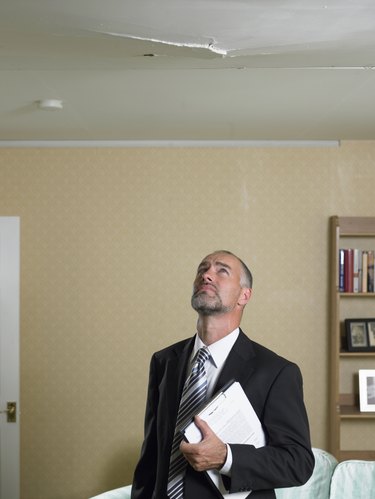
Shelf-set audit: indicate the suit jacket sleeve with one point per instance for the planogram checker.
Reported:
(145, 472)
(287, 459)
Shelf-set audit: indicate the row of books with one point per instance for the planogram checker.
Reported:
(356, 270)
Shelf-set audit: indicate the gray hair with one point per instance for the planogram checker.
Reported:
(246, 276)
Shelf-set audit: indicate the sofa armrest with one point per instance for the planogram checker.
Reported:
(120, 493)
(318, 485)
(353, 479)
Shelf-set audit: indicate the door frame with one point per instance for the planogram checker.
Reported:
(9, 355)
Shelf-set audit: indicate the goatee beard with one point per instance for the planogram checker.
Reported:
(206, 305)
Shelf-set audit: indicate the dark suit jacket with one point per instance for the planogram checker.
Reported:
(274, 388)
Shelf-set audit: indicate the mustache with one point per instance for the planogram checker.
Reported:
(197, 287)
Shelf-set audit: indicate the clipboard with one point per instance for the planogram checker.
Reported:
(231, 416)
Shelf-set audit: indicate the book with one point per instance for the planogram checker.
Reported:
(370, 271)
(341, 283)
(356, 256)
(348, 270)
(364, 272)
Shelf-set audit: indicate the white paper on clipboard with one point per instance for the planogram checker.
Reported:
(232, 417)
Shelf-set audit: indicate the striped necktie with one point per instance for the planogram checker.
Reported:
(193, 394)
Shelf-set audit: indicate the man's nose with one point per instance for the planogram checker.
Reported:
(207, 276)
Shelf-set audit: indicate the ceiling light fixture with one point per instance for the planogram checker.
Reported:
(50, 104)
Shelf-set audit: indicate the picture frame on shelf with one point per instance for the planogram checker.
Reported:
(371, 333)
(367, 390)
(357, 335)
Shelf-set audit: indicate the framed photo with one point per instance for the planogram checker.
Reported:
(357, 335)
(367, 390)
(371, 333)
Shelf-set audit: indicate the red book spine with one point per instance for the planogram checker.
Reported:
(348, 271)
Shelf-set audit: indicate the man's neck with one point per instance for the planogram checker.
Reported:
(212, 328)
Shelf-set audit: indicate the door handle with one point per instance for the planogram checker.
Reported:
(11, 412)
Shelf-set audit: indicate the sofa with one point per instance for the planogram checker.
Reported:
(352, 479)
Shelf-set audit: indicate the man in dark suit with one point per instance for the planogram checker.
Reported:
(216, 469)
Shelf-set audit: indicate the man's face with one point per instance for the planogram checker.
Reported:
(217, 287)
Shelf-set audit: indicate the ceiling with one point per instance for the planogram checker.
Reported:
(198, 70)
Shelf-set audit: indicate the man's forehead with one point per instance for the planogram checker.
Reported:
(220, 257)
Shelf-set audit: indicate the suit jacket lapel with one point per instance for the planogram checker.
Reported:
(238, 364)
(177, 374)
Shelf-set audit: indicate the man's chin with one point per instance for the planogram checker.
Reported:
(204, 306)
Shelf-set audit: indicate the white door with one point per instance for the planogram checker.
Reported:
(9, 358)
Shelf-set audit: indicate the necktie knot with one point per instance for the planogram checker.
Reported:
(202, 355)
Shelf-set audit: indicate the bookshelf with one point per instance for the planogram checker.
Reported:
(346, 232)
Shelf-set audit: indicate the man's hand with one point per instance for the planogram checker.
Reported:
(209, 454)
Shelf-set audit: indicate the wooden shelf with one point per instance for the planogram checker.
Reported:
(356, 226)
(357, 354)
(357, 295)
(344, 407)
(352, 412)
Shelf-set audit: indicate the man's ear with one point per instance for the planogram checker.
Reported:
(245, 296)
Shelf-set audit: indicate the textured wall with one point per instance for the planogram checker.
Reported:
(110, 243)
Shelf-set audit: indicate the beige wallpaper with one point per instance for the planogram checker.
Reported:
(110, 242)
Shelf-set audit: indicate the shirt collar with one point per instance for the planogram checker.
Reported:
(220, 349)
